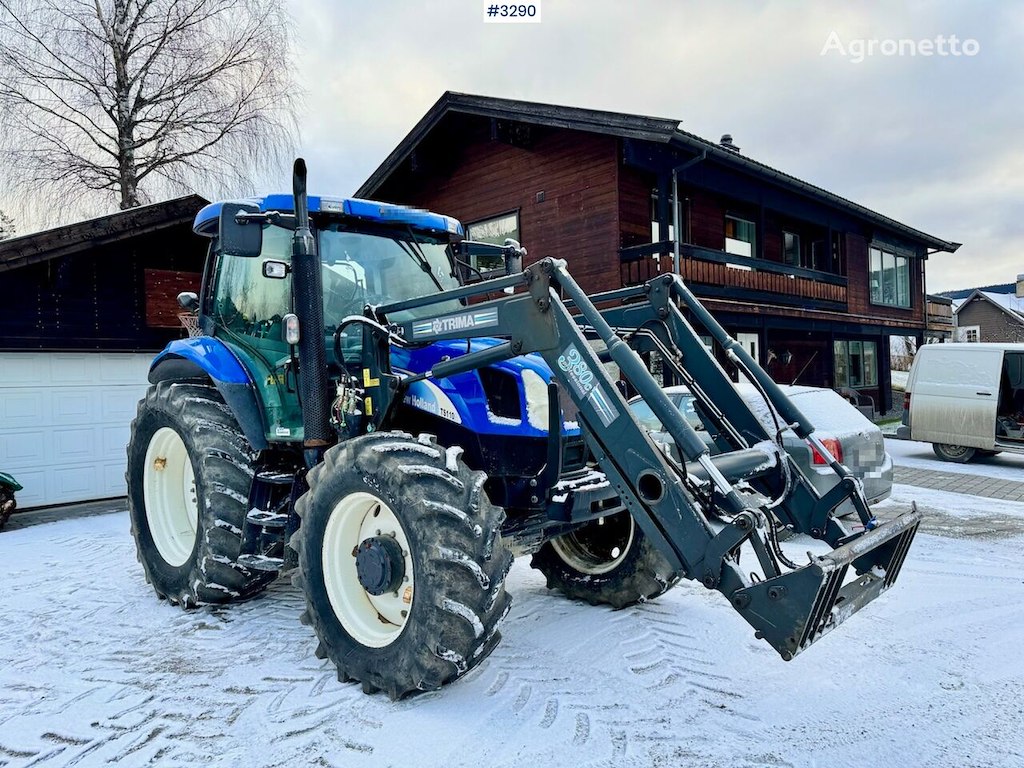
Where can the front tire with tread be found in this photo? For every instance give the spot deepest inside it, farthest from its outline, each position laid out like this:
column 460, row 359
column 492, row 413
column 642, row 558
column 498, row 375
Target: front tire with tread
column 189, row 554
column 455, row 561
column 607, row 562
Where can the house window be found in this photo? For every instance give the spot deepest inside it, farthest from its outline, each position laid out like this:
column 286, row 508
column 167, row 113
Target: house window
column 739, row 236
column 971, row 333
column 493, row 230
column 856, row 363
column 819, row 255
column 684, row 202
column 791, row 248
column 890, row 278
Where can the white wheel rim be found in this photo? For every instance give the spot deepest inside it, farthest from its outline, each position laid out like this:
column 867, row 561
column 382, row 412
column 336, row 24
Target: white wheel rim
column 372, row 620
column 169, row 489
column 575, row 551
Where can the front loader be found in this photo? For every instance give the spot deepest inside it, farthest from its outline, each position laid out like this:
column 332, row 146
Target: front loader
column 363, row 408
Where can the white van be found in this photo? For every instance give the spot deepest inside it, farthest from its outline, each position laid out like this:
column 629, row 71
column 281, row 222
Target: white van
column 966, row 400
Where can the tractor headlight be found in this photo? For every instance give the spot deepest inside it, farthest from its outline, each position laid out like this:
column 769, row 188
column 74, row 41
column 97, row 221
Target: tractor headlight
column 537, row 405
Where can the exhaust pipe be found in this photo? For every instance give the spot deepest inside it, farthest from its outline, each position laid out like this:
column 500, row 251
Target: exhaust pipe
column 308, row 291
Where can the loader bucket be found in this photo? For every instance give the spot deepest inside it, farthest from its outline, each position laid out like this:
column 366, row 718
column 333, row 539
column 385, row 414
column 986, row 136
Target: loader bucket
column 795, row 609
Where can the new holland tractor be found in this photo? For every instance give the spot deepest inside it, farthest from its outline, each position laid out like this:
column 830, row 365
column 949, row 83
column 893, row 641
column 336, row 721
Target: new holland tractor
column 363, row 409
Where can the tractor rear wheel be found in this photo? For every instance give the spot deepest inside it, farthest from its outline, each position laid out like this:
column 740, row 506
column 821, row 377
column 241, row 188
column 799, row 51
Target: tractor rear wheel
column 402, row 563
column 189, row 471
column 608, row 561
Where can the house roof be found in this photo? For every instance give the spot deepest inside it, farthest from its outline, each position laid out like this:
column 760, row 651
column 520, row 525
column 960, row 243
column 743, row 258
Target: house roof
column 653, row 129
column 71, row 238
column 1007, row 302
column 963, row 293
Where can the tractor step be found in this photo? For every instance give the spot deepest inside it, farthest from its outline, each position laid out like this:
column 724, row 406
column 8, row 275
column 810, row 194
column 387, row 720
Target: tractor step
column 266, row 519
column 273, row 477
column 260, row 562
column 794, row 610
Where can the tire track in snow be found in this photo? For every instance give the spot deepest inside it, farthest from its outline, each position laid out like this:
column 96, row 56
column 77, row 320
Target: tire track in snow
column 173, row 687
column 123, row 678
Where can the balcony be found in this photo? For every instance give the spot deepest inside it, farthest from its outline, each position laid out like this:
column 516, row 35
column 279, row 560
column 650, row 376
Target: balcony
column 940, row 317
column 719, row 274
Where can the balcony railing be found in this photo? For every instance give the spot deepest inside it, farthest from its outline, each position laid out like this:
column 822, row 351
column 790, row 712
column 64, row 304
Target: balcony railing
column 940, row 311
column 717, row 273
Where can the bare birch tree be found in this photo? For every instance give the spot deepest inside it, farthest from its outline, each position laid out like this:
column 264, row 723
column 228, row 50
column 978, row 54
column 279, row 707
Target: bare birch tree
column 129, row 100
column 7, row 228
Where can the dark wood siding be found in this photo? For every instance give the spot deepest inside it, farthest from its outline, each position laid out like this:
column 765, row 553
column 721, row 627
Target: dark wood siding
column 635, row 189
column 95, row 299
column 564, row 185
column 707, row 220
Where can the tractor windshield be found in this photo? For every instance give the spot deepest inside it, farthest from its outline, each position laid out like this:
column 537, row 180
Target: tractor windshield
column 381, row 267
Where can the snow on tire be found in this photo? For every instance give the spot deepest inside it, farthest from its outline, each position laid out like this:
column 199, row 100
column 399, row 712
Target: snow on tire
column 607, row 561
column 402, row 563
column 189, row 471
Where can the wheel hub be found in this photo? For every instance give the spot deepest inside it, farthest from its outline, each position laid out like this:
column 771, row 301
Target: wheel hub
column 380, row 565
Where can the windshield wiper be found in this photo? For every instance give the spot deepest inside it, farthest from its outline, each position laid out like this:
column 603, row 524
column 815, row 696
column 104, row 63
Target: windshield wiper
column 412, row 248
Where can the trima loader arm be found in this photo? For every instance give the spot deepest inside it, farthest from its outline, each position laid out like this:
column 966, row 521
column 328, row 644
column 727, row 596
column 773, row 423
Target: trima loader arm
column 679, row 506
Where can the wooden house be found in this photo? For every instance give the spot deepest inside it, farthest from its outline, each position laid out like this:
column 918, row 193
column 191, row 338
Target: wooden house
column 987, row 316
column 812, row 283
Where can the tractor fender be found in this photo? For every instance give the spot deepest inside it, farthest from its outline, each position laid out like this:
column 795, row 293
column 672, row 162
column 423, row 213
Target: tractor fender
column 204, row 357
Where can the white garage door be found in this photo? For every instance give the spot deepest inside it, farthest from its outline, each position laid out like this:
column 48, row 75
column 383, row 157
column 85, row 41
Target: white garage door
column 64, row 422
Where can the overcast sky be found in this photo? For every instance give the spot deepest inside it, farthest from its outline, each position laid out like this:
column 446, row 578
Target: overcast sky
column 932, row 141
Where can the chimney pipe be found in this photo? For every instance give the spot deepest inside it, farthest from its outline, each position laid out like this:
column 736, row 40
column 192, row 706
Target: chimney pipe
column 726, row 143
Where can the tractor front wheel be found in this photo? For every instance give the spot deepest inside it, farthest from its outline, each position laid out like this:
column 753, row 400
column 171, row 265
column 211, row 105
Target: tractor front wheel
column 402, row 563
column 607, row 561
column 189, row 471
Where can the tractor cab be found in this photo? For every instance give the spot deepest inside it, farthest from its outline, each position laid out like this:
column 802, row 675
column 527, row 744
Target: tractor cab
column 371, row 254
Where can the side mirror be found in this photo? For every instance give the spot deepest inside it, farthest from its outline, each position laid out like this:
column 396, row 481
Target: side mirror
column 188, row 300
column 491, row 257
column 239, row 237
column 514, row 254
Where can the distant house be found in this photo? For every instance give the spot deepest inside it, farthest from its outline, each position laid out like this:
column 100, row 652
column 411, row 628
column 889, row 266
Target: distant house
column 989, row 316
column 85, row 307
column 813, row 284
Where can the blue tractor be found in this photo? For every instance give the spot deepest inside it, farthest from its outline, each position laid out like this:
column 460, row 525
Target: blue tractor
column 364, row 409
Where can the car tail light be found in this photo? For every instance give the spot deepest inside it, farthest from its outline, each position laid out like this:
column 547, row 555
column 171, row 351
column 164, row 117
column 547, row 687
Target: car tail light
column 834, row 447
column 906, row 402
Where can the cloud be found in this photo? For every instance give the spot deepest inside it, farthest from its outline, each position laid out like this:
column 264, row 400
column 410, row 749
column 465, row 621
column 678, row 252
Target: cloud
column 930, row 141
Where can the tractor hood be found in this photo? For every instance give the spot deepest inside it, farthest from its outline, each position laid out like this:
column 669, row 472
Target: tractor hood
column 465, row 398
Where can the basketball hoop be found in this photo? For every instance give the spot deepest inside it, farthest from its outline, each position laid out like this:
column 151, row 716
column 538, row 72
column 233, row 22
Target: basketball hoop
column 191, row 323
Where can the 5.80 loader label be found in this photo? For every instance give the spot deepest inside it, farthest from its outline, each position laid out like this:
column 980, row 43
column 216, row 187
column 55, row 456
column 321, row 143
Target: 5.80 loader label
column 582, row 380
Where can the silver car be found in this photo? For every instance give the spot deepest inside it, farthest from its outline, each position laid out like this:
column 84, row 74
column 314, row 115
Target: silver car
column 846, row 432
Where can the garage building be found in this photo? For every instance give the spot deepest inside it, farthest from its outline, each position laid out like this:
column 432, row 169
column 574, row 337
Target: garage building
column 85, row 308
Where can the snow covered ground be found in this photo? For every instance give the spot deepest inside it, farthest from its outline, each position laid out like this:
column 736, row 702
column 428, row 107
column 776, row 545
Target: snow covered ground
column 910, row 453
column 96, row 671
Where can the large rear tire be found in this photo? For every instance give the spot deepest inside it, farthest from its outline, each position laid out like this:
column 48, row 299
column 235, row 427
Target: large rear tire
column 402, row 563
column 189, row 471
column 608, row 561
